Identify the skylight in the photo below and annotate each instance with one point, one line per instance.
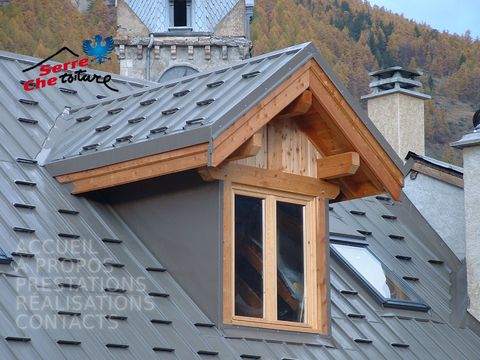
(380, 281)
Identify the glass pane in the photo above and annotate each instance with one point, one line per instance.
(248, 256)
(374, 271)
(290, 263)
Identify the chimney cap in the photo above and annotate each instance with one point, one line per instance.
(390, 72)
(395, 80)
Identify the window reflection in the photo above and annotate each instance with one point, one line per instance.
(290, 262)
(373, 271)
(248, 256)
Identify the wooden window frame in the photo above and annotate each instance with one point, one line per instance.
(315, 261)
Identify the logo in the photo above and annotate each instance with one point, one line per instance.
(72, 71)
(99, 52)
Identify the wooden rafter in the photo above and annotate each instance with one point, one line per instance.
(250, 148)
(299, 106)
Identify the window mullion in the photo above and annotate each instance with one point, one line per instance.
(270, 262)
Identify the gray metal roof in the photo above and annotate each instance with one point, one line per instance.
(434, 162)
(152, 121)
(29, 122)
(59, 241)
(206, 14)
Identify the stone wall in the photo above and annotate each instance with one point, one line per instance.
(198, 52)
(234, 23)
(129, 25)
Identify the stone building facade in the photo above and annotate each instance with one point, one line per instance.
(165, 39)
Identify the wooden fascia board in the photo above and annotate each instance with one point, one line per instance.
(137, 169)
(371, 152)
(271, 179)
(257, 117)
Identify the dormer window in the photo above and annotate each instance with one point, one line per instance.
(274, 269)
(381, 282)
(180, 14)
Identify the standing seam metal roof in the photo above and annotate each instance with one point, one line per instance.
(192, 110)
(53, 228)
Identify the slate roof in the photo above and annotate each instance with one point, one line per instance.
(59, 241)
(206, 14)
(180, 113)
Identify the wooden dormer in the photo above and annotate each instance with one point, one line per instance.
(303, 127)
(257, 150)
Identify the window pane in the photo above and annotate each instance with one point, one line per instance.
(290, 262)
(248, 256)
(374, 271)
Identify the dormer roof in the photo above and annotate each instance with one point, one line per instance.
(201, 111)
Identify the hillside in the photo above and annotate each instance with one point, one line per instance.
(356, 38)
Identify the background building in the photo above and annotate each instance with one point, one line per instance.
(169, 38)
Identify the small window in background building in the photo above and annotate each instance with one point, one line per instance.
(180, 14)
(177, 72)
(379, 280)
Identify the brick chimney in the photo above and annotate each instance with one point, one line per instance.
(470, 144)
(396, 107)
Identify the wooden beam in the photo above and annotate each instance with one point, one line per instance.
(438, 174)
(257, 117)
(373, 155)
(271, 179)
(137, 169)
(300, 106)
(250, 148)
(332, 167)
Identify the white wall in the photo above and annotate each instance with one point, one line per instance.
(442, 205)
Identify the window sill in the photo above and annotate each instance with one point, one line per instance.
(276, 325)
(180, 29)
